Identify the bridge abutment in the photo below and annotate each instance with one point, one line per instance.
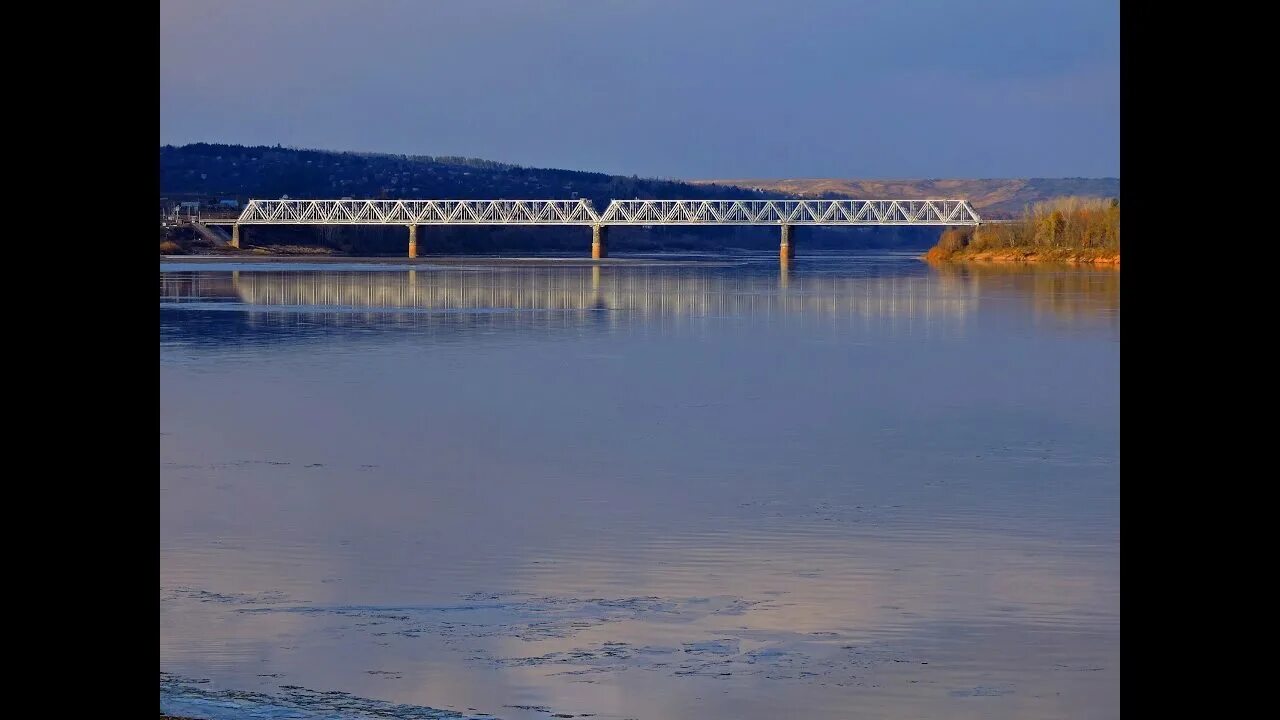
(235, 236)
(599, 241)
(788, 248)
(413, 241)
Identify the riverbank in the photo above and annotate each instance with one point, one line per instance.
(1067, 230)
(1091, 256)
(169, 248)
(180, 240)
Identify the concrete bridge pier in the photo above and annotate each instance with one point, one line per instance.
(599, 241)
(413, 241)
(788, 249)
(235, 236)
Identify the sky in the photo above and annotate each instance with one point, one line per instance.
(693, 89)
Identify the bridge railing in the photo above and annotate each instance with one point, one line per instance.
(790, 212)
(619, 212)
(419, 212)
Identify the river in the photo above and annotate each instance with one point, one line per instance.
(700, 487)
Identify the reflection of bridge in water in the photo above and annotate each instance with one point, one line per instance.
(644, 290)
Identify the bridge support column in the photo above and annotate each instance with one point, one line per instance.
(413, 241)
(235, 236)
(788, 249)
(599, 241)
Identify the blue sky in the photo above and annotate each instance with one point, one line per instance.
(660, 88)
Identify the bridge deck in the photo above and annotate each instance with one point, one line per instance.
(619, 212)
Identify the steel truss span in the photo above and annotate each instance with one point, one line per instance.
(790, 212)
(619, 212)
(418, 212)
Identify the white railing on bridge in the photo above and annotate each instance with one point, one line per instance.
(790, 212)
(418, 212)
(619, 212)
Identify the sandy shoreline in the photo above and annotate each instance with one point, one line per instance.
(1011, 258)
(1027, 256)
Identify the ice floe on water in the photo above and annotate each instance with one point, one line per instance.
(184, 696)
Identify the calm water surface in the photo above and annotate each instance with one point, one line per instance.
(855, 487)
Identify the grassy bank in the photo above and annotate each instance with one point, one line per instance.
(182, 240)
(1064, 230)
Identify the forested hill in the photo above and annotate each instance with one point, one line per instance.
(212, 173)
(209, 172)
(203, 171)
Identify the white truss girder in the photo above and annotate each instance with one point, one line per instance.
(790, 212)
(619, 212)
(418, 212)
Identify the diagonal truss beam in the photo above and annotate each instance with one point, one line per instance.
(419, 212)
(790, 212)
(619, 212)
